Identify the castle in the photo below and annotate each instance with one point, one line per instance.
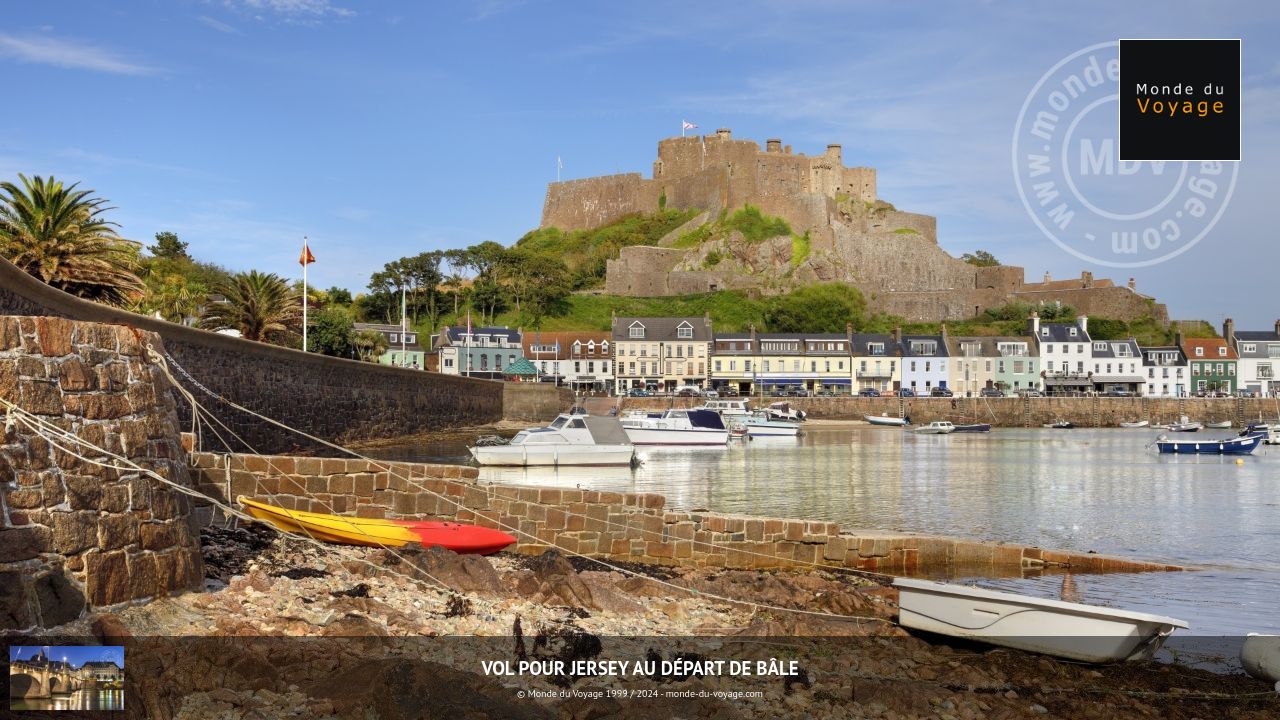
(849, 235)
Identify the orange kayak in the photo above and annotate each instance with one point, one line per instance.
(380, 532)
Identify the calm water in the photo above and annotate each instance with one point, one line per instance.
(1099, 490)
(78, 700)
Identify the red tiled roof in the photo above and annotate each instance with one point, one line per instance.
(1210, 346)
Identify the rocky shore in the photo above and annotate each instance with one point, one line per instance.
(284, 629)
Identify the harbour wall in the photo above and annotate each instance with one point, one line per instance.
(1013, 412)
(332, 398)
(635, 527)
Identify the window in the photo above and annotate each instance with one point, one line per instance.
(1195, 367)
(862, 366)
(717, 366)
(1048, 348)
(924, 347)
(684, 331)
(1264, 371)
(448, 362)
(1044, 332)
(1017, 366)
(1050, 367)
(1222, 352)
(1099, 347)
(1273, 350)
(577, 367)
(633, 368)
(766, 366)
(999, 366)
(411, 339)
(1199, 352)
(1122, 350)
(636, 330)
(1073, 332)
(1231, 368)
(876, 348)
(1249, 348)
(971, 348)
(395, 337)
(988, 366)
(1080, 349)
(913, 368)
(733, 365)
(746, 366)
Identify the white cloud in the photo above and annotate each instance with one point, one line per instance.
(294, 11)
(217, 25)
(45, 50)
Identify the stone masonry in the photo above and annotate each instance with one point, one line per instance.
(76, 536)
(610, 525)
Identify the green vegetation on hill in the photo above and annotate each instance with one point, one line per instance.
(585, 252)
(755, 226)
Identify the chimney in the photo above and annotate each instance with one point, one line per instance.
(1033, 323)
(1083, 323)
(724, 134)
(1086, 278)
(752, 328)
(1177, 338)
(1229, 331)
(773, 145)
(1278, 327)
(943, 330)
(1133, 284)
(1047, 277)
(848, 333)
(897, 334)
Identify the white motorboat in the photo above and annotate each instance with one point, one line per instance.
(571, 439)
(784, 411)
(886, 420)
(1219, 425)
(1135, 424)
(761, 424)
(728, 408)
(675, 427)
(1074, 631)
(1184, 424)
(1270, 433)
(937, 427)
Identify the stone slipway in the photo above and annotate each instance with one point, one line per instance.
(632, 527)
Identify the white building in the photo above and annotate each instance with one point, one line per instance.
(1066, 355)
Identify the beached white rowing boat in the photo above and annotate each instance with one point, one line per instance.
(1135, 424)
(1068, 630)
(886, 420)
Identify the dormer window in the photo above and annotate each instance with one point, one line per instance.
(604, 346)
(1044, 332)
(1222, 352)
(1199, 352)
(684, 331)
(876, 348)
(636, 330)
(1099, 347)
(1073, 332)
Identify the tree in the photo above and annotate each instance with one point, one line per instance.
(487, 295)
(370, 344)
(981, 258)
(422, 273)
(58, 234)
(825, 307)
(169, 247)
(339, 296)
(484, 258)
(540, 281)
(332, 332)
(174, 296)
(259, 305)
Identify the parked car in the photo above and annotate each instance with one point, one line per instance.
(1030, 393)
(869, 392)
(991, 392)
(824, 393)
(711, 394)
(905, 392)
(729, 392)
(638, 392)
(1117, 393)
(795, 392)
(940, 392)
(688, 391)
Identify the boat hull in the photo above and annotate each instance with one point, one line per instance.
(380, 532)
(553, 455)
(669, 436)
(1230, 446)
(885, 420)
(973, 428)
(1132, 425)
(1067, 630)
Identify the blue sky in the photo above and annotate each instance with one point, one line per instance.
(77, 655)
(383, 129)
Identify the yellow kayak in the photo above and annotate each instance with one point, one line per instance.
(380, 532)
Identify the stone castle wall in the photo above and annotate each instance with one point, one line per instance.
(75, 536)
(336, 399)
(635, 527)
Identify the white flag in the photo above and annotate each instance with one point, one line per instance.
(686, 125)
(559, 163)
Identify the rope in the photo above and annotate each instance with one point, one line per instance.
(391, 470)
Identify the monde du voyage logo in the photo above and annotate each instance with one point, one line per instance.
(1123, 152)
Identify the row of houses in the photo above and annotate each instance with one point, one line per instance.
(668, 353)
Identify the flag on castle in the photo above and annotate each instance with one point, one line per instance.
(306, 258)
(686, 125)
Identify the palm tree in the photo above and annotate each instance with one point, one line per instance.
(57, 233)
(454, 284)
(371, 344)
(256, 304)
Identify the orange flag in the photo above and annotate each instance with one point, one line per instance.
(306, 258)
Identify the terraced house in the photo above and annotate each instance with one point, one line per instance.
(483, 352)
(660, 353)
(1259, 359)
(581, 360)
(1066, 357)
(765, 363)
(1167, 370)
(1213, 365)
(924, 362)
(1117, 367)
(1004, 363)
(876, 362)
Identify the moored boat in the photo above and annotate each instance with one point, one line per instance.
(784, 411)
(1074, 631)
(1184, 424)
(571, 439)
(937, 427)
(1059, 425)
(380, 532)
(675, 427)
(887, 421)
(1239, 445)
(973, 428)
(728, 408)
(1219, 425)
(1135, 424)
(762, 424)
(1270, 433)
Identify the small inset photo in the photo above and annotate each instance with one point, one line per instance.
(66, 677)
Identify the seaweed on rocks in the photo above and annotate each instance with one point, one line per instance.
(229, 551)
(358, 591)
(298, 573)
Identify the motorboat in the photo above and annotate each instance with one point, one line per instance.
(1239, 445)
(1073, 631)
(1135, 424)
(937, 427)
(380, 532)
(729, 407)
(1219, 425)
(1059, 425)
(973, 428)
(1184, 424)
(762, 424)
(784, 411)
(1270, 433)
(675, 427)
(571, 439)
(887, 421)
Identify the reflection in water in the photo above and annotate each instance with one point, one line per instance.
(78, 700)
(1100, 490)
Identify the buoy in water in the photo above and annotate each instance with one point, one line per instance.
(1239, 461)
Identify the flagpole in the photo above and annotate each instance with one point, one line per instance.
(304, 293)
(404, 358)
(558, 166)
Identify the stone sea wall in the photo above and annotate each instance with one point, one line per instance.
(1012, 412)
(336, 399)
(611, 525)
(76, 536)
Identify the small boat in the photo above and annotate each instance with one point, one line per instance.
(1135, 424)
(762, 424)
(1239, 445)
(784, 411)
(1270, 433)
(1219, 425)
(1184, 424)
(675, 427)
(887, 421)
(973, 428)
(379, 532)
(571, 439)
(937, 427)
(1059, 425)
(728, 408)
(1074, 631)
(1260, 657)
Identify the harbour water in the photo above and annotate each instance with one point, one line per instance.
(1087, 490)
(78, 700)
